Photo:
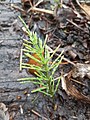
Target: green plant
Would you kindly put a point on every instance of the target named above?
(46, 71)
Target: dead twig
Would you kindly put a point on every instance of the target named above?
(78, 82)
(69, 61)
(36, 113)
(76, 25)
(40, 10)
(18, 8)
(30, 3)
(39, 2)
(1, 41)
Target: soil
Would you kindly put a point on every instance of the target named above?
(22, 105)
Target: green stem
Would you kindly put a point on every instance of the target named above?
(49, 80)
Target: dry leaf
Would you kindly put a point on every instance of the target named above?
(4, 115)
(72, 54)
(71, 90)
(86, 8)
(81, 70)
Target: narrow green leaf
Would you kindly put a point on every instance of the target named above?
(32, 57)
(38, 89)
(57, 85)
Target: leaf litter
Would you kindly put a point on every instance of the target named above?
(74, 25)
